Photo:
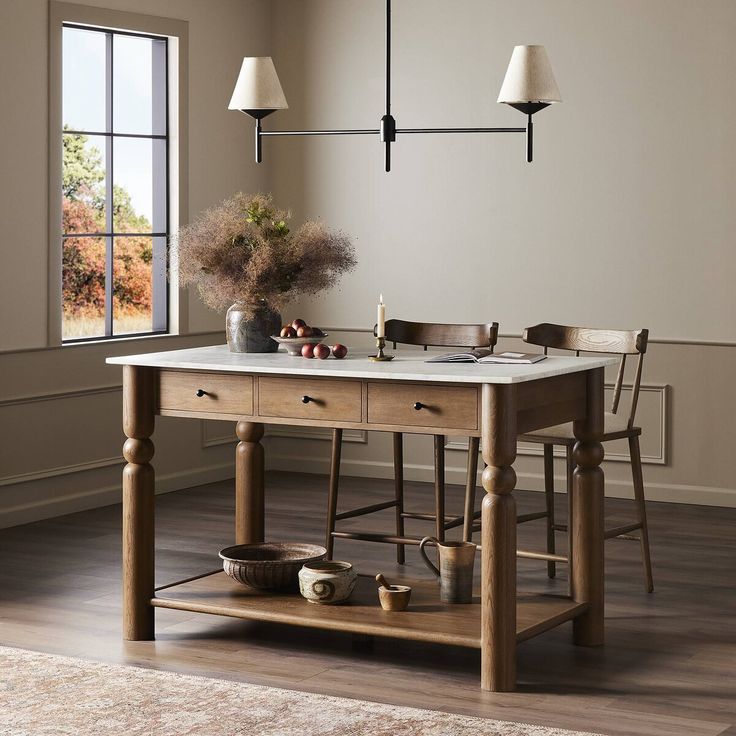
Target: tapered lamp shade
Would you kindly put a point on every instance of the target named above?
(258, 88)
(529, 78)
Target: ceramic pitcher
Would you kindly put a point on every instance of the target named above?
(455, 570)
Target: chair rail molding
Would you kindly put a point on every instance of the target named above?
(517, 336)
(73, 393)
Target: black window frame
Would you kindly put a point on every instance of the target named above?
(160, 239)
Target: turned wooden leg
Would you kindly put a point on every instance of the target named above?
(473, 446)
(498, 527)
(549, 497)
(249, 477)
(587, 516)
(439, 486)
(641, 511)
(332, 494)
(569, 472)
(399, 493)
(138, 506)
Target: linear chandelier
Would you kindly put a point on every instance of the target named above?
(529, 86)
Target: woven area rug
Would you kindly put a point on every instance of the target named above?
(45, 694)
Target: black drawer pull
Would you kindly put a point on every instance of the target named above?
(306, 399)
(201, 393)
(418, 405)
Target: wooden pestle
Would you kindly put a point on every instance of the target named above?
(382, 581)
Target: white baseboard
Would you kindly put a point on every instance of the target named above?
(707, 496)
(48, 508)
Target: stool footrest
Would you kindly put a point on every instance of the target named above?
(523, 518)
(619, 531)
(370, 537)
(541, 556)
(363, 510)
(520, 519)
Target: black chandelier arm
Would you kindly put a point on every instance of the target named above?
(460, 130)
(374, 131)
(388, 133)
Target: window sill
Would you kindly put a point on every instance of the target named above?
(122, 338)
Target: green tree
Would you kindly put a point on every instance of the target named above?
(83, 172)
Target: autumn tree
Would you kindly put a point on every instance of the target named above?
(83, 261)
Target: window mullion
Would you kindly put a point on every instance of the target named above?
(109, 276)
(159, 151)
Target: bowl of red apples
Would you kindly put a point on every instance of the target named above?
(300, 339)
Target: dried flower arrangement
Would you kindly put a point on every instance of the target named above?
(244, 252)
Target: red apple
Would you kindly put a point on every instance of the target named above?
(288, 331)
(297, 323)
(317, 332)
(304, 331)
(321, 351)
(308, 350)
(339, 351)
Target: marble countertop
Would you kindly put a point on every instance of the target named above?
(408, 365)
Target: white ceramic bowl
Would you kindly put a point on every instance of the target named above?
(327, 582)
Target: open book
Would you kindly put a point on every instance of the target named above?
(484, 355)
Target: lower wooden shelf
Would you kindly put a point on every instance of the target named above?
(427, 619)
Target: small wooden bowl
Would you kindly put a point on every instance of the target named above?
(269, 566)
(294, 345)
(395, 598)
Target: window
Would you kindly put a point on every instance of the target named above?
(115, 183)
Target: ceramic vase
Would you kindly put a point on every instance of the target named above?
(250, 332)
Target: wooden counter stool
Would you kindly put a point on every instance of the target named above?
(615, 342)
(424, 334)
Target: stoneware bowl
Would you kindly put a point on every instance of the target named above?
(269, 566)
(294, 345)
(327, 582)
(395, 597)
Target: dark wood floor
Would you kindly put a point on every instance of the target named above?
(669, 665)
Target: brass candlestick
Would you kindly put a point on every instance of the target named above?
(381, 344)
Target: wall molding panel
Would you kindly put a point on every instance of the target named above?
(358, 436)
(660, 430)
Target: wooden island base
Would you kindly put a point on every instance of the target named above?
(493, 403)
(427, 619)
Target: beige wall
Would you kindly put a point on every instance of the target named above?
(60, 434)
(625, 218)
(626, 211)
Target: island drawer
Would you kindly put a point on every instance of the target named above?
(220, 393)
(423, 405)
(307, 398)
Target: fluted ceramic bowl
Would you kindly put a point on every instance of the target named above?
(294, 345)
(269, 565)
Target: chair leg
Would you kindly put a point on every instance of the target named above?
(549, 497)
(641, 510)
(473, 447)
(439, 486)
(569, 470)
(399, 493)
(332, 497)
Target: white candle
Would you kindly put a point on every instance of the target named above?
(381, 321)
